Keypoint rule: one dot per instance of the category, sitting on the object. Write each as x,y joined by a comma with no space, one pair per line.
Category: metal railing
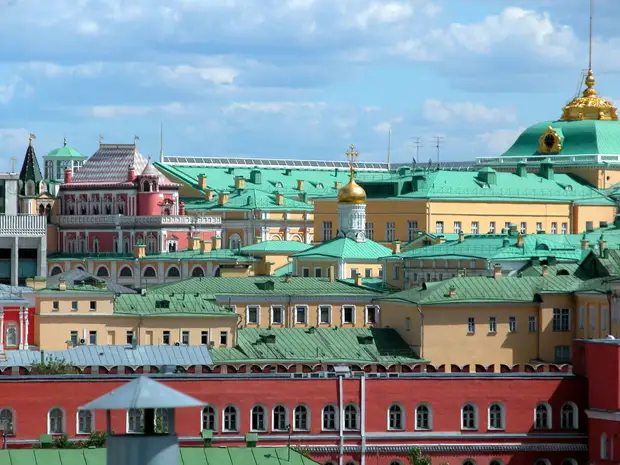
121,220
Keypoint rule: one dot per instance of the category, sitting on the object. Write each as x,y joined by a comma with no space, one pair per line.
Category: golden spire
352,192
589,105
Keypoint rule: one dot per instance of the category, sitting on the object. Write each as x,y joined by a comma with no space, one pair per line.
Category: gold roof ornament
549,142
352,192
589,105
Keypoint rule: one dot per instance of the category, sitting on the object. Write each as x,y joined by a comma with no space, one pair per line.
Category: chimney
223,198
300,184
255,177
194,243
332,273
522,169
62,285
337,184
208,195
269,268
545,271
279,198
205,247
452,291
396,247
68,175
202,181
182,208
36,283
258,240
216,243
239,182
131,173
520,240
288,277
358,279
602,245
461,236
139,250
497,271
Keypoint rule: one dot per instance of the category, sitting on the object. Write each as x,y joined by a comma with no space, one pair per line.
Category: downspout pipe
363,415
341,420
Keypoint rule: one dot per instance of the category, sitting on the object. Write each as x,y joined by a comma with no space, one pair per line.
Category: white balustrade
120,220
23,225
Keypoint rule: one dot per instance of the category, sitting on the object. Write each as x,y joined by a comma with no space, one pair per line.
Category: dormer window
319,185
278,184
568,188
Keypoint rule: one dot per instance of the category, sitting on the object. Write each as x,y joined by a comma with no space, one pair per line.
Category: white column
1,328
20,340
15,261
184,269
26,328
287,233
42,257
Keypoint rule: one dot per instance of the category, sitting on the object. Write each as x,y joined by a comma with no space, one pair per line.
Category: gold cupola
352,192
589,105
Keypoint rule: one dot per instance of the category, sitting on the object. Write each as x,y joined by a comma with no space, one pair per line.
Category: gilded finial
31,137
352,192
351,155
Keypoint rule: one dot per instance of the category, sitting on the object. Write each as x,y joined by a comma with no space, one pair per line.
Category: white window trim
189,336
303,270
342,322
282,312
266,416
308,418
12,410
357,417
305,307
476,417
516,326
318,268
337,418
201,417
105,268
77,422
403,421
549,424
575,415
64,419
502,417
237,419
247,314
318,316
430,417
286,418
377,312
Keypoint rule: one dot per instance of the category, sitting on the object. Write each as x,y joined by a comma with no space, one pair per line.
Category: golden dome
589,105
352,192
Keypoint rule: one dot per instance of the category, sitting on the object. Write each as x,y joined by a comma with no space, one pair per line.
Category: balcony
135,221
23,225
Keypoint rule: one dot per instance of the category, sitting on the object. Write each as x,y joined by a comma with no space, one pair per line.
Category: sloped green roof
572,269
318,344
261,285
188,456
173,304
66,152
347,249
30,170
276,247
486,289
289,268
247,199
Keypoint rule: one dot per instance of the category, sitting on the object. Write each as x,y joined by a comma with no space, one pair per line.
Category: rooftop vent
365,340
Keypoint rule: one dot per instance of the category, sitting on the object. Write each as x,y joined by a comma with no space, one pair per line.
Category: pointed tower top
30,169
352,192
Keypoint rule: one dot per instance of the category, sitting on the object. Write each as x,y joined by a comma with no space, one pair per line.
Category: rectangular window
532,326
582,317
301,316
507,226
471,325
354,272
564,228
204,338
370,231
512,324
74,305
129,337
318,272
325,315
523,227
554,228
185,338
562,354
492,227
475,227
457,227
166,338
92,338
492,325
589,226
381,272
277,315
55,306
305,272
327,230
368,273
603,318
412,228
539,227
439,227
74,338
561,320
348,314
93,305
223,338
615,311
592,312
396,272
371,315
253,314
390,231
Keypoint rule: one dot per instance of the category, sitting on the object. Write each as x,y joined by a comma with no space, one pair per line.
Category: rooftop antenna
418,144
100,139
161,142
438,141
135,139
389,147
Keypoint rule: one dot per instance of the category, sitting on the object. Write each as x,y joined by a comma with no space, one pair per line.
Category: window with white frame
512,324
569,416
301,417
327,230
412,228
209,418
539,227
135,420
390,231
439,227
561,320
581,317
348,314
507,226
469,417
496,416
318,272
277,315
185,337
351,417
457,227
532,324
371,315
354,272
370,231
564,228
280,421
471,325
56,421
330,418
395,417
542,416
325,314
604,318
230,422
258,419
85,422
92,338
492,325
8,420
491,227
252,314
223,338
305,272
301,314
475,227
562,354
523,227
554,228
423,418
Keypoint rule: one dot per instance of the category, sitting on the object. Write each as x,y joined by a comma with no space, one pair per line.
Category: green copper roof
172,304
333,345
30,170
66,152
247,199
347,249
262,285
289,268
586,137
276,247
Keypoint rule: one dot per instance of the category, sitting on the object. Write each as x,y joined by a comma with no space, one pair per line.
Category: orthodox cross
351,155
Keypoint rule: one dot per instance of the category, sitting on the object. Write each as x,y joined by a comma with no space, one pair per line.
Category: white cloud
54,70
119,111
385,126
184,74
499,141
273,107
13,138
7,92
437,111
383,12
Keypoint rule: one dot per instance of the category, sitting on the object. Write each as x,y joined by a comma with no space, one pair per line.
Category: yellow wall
323,265
593,318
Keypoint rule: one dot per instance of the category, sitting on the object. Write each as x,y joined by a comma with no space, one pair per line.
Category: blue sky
294,78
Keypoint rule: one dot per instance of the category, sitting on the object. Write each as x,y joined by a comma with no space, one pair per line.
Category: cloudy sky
294,78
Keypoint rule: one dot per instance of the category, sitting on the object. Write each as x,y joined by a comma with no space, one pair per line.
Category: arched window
135,420
396,462
29,188
209,418
301,418
174,272
56,421
96,245
149,272
258,418
198,272
85,424
603,446
330,418
351,417
496,416
103,272
230,422
80,267
70,243
280,422
172,245
7,418
395,417
469,417
569,416
542,416
125,272
496,462
350,462
55,270
469,462
423,417
570,461
151,244
116,246
41,209
126,246
234,241
146,186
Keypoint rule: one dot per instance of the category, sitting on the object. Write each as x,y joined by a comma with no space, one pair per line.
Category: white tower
352,205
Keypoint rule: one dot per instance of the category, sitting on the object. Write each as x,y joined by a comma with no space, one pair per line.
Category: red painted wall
11,314
148,204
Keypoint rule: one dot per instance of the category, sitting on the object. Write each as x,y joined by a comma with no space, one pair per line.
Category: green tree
96,439
52,365
415,457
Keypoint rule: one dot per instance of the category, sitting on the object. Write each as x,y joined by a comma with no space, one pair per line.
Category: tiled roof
79,280
261,285
347,249
248,199
356,345
276,247
170,304
108,356
486,289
